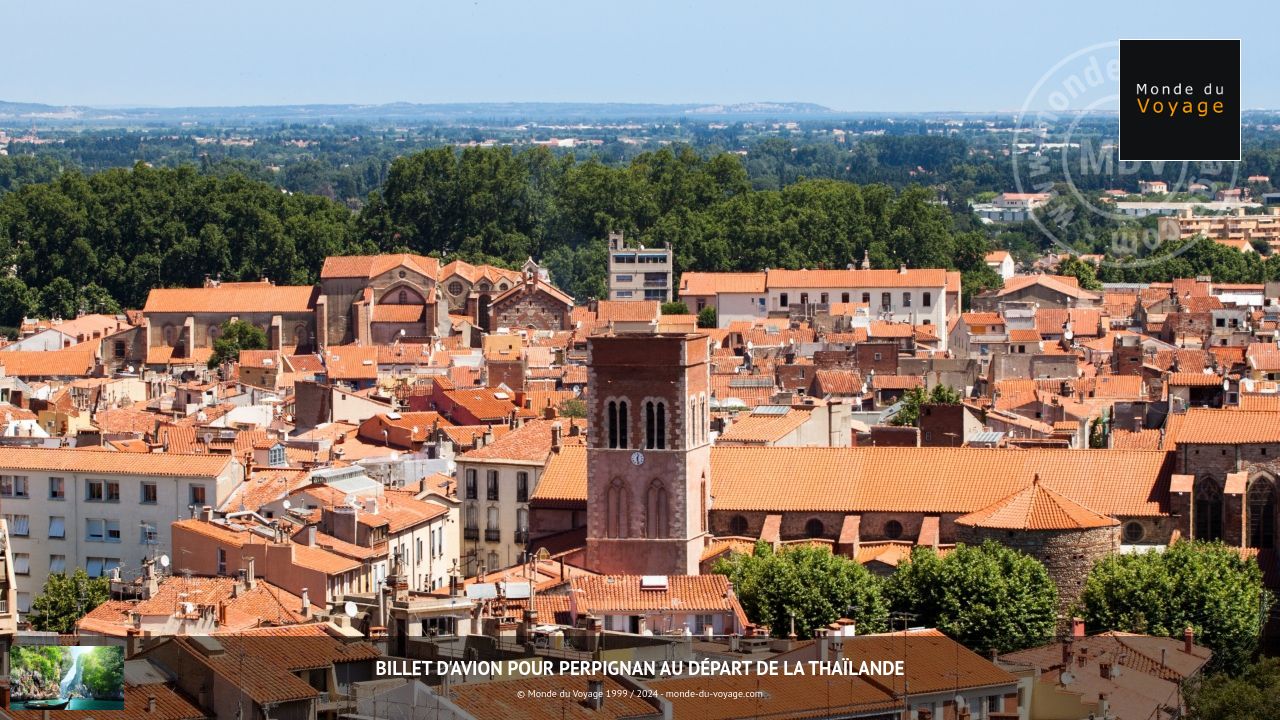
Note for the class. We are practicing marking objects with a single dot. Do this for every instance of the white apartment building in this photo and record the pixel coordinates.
(639, 273)
(69, 509)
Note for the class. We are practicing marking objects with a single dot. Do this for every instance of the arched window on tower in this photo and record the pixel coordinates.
(657, 517)
(1208, 509)
(611, 410)
(1262, 512)
(655, 425)
(624, 439)
(616, 510)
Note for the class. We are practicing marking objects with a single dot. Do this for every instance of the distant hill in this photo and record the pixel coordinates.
(17, 114)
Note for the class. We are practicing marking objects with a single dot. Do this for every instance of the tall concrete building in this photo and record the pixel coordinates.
(639, 273)
(648, 453)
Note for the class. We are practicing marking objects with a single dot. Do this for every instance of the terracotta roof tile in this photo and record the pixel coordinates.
(367, 266)
(232, 298)
(1036, 507)
(1209, 426)
(531, 442)
(75, 361)
(757, 429)
(605, 594)
(351, 362)
(707, 283)
(784, 279)
(83, 461)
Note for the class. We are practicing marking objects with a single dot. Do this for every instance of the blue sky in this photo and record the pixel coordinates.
(855, 56)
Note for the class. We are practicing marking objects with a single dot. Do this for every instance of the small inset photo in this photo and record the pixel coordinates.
(59, 677)
(1180, 100)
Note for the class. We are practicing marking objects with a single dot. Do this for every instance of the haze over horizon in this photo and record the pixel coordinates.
(863, 58)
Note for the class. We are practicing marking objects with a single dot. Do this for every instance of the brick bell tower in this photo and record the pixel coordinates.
(648, 452)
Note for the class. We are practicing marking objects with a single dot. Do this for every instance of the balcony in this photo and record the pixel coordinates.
(492, 535)
(471, 533)
(522, 537)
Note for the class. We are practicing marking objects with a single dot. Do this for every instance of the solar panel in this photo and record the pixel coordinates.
(482, 591)
(771, 410)
(516, 590)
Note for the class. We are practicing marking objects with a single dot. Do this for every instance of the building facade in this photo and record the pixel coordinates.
(639, 273)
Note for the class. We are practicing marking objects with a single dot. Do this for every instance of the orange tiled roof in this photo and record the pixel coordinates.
(896, 382)
(392, 313)
(75, 361)
(762, 429)
(709, 283)
(628, 310)
(982, 318)
(1194, 379)
(838, 382)
(482, 403)
(886, 479)
(1259, 403)
(605, 594)
(531, 442)
(1036, 507)
(351, 362)
(1065, 285)
(928, 277)
(367, 266)
(1135, 440)
(83, 461)
(1209, 426)
(247, 297)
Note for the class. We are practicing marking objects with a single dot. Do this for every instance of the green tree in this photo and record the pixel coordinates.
(102, 671)
(573, 408)
(16, 301)
(707, 317)
(987, 597)
(236, 335)
(66, 598)
(913, 399)
(1208, 587)
(1252, 695)
(1085, 272)
(807, 584)
(675, 308)
(59, 299)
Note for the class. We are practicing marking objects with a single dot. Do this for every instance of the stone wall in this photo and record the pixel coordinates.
(1068, 555)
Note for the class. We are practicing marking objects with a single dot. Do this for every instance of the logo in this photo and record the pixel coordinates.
(1180, 100)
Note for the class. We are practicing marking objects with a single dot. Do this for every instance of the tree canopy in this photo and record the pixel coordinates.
(1206, 586)
(66, 598)
(987, 597)
(913, 399)
(236, 335)
(809, 585)
(1251, 695)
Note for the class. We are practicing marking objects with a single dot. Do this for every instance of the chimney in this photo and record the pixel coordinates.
(306, 604)
(902, 269)
(151, 703)
(820, 634)
(595, 694)
(311, 536)
(250, 581)
(1077, 627)
(373, 506)
(1104, 707)
(549, 412)
(206, 513)
(1188, 639)
(555, 437)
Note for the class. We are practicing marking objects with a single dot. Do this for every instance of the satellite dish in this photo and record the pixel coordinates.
(164, 561)
(350, 609)
(286, 504)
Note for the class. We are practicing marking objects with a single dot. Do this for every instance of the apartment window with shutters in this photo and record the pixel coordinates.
(57, 564)
(112, 531)
(522, 487)
(13, 486)
(491, 484)
(928, 299)
(93, 490)
(844, 297)
(57, 488)
(19, 525)
(886, 300)
(113, 491)
(95, 529)
(57, 527)
(149, 496)
(906, 299)
(222, 561)
(21, 564)
(149, 536)
(197, 494)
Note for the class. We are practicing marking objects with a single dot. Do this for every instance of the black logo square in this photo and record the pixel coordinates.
(1180, 100)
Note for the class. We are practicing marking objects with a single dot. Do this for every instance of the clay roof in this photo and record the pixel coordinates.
(997, 256)
(1209, 426)
(785, 279)
(530, 286)
(838, 382)
(85, 461)
(1139, 440)
(265, 603)
(1036, 507)
(75, 361)
(392, 313)
(888, 479)
(232, 298)
(1259, 403)
(351, 362)
(126, 420)
(896, 382)
(465, 435)
(763, 429)
(531, 442)
(1085, 322)
(609, 594)
(628, 310)
(982, 318)
(1194, 379)
(707, 283)
(482, 403)
(269, 359)
(1024, 335)
(1069, 286)
(935, 663)
(367, 266)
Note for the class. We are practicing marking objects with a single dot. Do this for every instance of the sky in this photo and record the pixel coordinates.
(852, 56)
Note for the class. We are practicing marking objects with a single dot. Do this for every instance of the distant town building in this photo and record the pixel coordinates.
(1011, 207)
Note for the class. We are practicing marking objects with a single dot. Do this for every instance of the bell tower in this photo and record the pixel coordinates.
(648, 452)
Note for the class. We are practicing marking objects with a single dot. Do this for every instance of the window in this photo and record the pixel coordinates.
(893, 529)
(113, 530)
(222, 561)
(814, 528)
(419, 555)
(522, 487)
(617, 421)
(471, 517)
(906, 299)
(783, 300)
(276, 455)
(93, 490)
(148, 493)
(57, 488)
(197, 495)
(57, 527)
(866, 298)
(624, 293)
(13, 486)
(927, 301)
(19, 525)
(655, 425)
(57, 564)
(804, 298)
(24, 602)
(1261, 510)
(1134, 532)
(491, 484)
(149, 535)
(119, 348)
(844, 297)
(94, 529)
(113, 491)
(822, 298)
(737, 525)
(886, 300)
(623, 278)
(21, 564)
(471, 485)
(493, 560)
(1208, 509)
